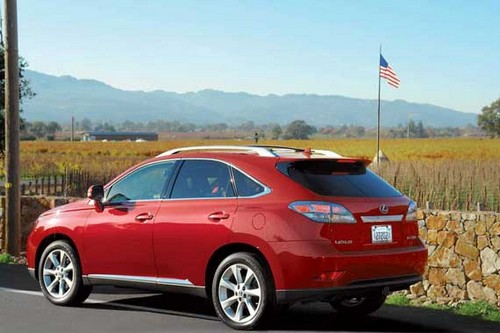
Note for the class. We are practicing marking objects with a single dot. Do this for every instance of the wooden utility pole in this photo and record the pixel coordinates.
(12, 164)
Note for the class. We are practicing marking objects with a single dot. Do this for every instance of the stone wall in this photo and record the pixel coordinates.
(464, 257)
(464, 251)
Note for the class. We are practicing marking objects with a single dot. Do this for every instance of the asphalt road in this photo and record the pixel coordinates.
(24, 309)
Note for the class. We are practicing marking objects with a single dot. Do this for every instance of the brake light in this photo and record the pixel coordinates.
(411, 214)
(323, 212)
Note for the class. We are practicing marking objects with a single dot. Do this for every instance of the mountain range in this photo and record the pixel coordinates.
(58, 98)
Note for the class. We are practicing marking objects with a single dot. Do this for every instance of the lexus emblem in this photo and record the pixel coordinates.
(383, 209)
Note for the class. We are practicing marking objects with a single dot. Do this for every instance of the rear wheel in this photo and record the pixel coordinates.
(59, 275)
(358, 306)
(242, 291)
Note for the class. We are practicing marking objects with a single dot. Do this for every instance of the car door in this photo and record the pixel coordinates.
(118, 240)
(194, 221)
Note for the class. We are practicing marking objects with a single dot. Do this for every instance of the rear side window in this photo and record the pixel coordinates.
(246, 186)
(338, 178)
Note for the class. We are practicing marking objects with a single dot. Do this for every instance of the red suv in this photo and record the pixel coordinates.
(250, 227)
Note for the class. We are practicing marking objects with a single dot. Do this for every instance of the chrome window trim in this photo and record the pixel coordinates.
(382, 218)
(200, 198)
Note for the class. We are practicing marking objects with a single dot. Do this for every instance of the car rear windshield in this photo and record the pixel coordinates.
(344, 178)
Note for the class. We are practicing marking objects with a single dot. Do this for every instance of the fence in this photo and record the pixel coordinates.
(70, 184)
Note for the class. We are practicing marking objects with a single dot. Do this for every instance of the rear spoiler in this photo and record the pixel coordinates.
(365, 161)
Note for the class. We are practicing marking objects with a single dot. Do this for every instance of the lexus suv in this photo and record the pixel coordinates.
(252, 228)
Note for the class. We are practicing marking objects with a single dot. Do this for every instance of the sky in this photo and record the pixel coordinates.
(445, 52)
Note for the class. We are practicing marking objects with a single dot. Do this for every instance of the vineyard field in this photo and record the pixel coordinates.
(449, 173)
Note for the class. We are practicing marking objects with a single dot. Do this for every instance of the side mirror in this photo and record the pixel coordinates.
(96, 193)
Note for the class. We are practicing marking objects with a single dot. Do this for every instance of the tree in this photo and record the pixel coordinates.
(420, 130)
(299, 129)
(39, 129)
(276, 132)
(24, 92)
(248, 126)
(53, 127)
(489, 120)
(106, 127)
(86, 124)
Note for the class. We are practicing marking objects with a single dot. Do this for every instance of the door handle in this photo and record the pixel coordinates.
(144, 217)
(217, 216)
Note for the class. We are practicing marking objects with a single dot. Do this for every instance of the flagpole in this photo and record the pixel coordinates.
(378, 110)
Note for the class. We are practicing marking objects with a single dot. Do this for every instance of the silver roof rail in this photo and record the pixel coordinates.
(264, 151)
(256, 150)
(327, 153)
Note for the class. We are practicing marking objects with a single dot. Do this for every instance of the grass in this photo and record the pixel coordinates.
(6, 258)
(478, 309)
(398, 300)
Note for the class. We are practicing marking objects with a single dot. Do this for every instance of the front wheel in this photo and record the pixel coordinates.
(242, 291)
(59, 275)
(358, 306)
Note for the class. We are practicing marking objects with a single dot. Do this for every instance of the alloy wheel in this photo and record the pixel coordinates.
(240, 293)
(58, 275)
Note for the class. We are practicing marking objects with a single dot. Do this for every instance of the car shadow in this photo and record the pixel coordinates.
(174, 304)
(17, 277)
(314, 316)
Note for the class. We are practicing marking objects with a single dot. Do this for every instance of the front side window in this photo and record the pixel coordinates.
(147, 183)
(203, 179)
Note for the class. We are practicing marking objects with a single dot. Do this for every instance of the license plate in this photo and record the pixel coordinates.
(381, 234)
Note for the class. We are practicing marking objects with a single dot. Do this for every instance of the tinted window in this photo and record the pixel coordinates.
(147, 183)
(338, 178)
(246, 186)
(203, 179)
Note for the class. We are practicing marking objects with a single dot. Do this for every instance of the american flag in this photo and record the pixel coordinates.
(388, 73)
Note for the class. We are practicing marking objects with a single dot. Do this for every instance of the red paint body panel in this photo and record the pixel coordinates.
(185, 238)
(116, 243)
(68, 220)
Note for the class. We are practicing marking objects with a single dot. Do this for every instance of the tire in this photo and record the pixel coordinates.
(60, 275)
(358, 306)
(243, 292)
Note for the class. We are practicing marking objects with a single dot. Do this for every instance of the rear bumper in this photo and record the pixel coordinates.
(318, 267)
(355, 288)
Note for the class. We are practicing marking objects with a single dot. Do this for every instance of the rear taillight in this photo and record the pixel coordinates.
(323, 212)
(411, 214)
(411, 229)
